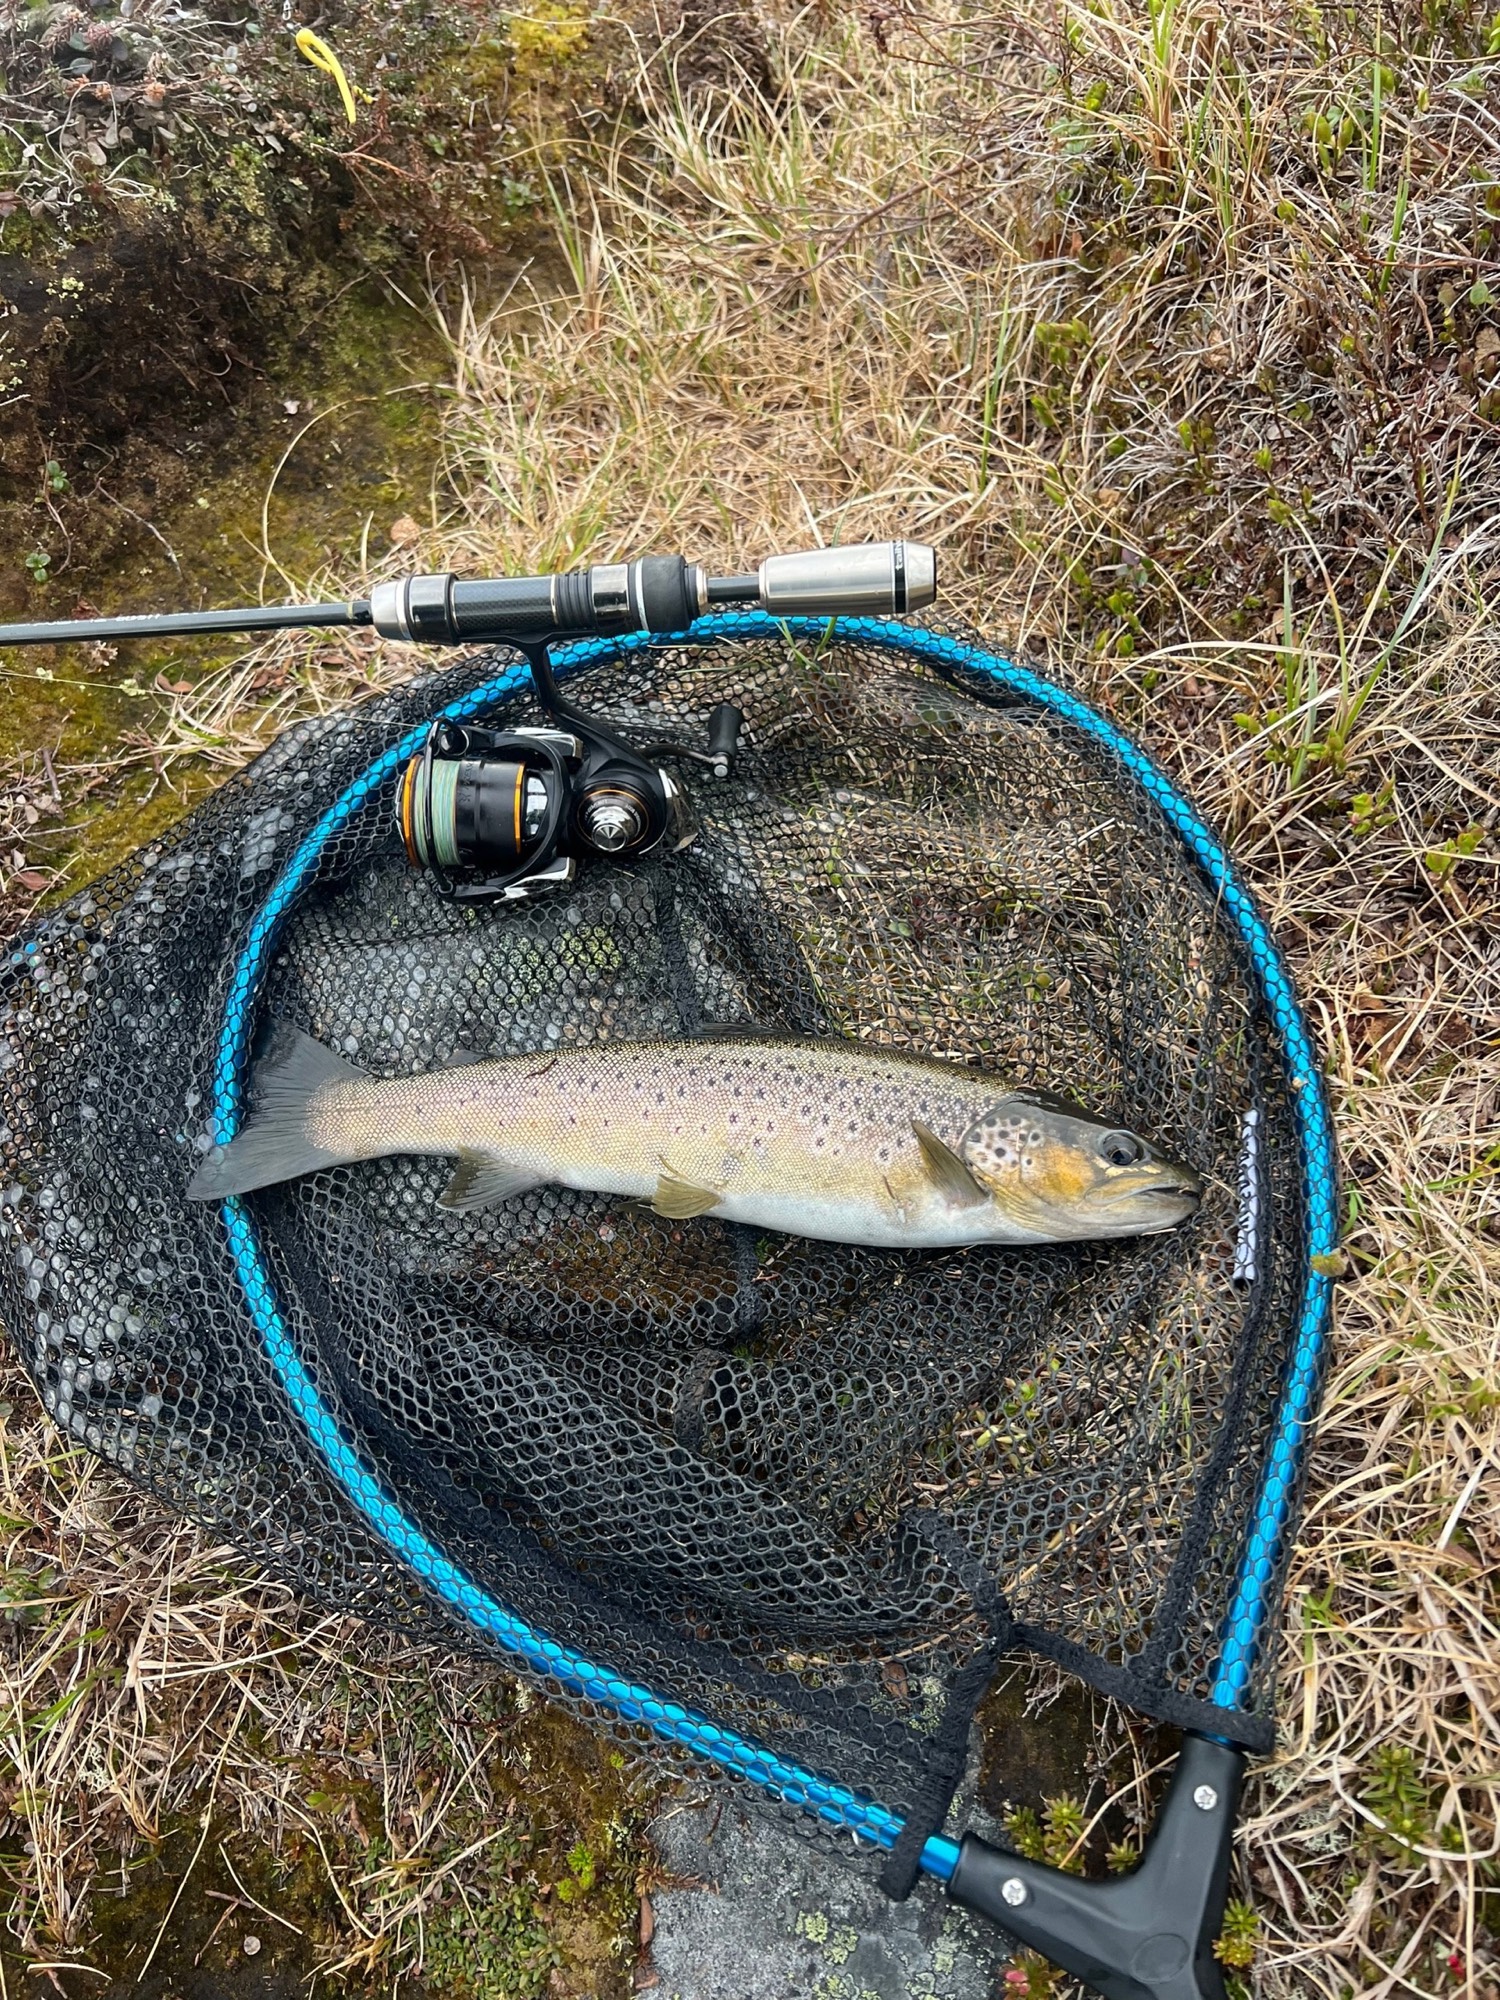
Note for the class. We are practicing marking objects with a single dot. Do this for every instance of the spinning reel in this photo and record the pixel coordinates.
(531, 802)
(510, 813)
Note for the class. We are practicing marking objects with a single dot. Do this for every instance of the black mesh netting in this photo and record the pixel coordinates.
(806, 1488)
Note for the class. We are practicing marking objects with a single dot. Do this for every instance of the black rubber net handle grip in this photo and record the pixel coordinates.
(1148, 1935)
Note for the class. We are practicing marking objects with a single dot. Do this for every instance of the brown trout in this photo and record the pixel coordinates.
(827, 1139)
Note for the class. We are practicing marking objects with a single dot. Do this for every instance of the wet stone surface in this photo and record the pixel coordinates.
(772, 1918)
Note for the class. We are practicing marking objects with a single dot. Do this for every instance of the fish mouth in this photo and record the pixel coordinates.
(1159, 1204)
(1184, 1190)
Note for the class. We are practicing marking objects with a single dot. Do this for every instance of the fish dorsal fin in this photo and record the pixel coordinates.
(946, 1170)
(677, 1198)
(480, 1179)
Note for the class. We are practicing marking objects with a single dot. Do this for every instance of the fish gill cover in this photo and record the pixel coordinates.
(805, 1488)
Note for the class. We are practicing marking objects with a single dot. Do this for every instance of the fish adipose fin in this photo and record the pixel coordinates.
(274, 1146)
(678, 1199)
(946, 1170)
(480, 1180)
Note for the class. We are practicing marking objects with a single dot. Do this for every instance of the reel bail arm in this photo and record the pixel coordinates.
(1148, 1935)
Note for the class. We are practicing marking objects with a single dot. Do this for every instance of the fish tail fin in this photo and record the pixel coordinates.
(275, 1143)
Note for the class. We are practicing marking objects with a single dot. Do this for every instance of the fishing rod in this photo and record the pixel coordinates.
(490, 814)
(653, 594)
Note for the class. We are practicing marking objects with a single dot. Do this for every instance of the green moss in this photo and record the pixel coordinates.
(549, 38)
(367, 462)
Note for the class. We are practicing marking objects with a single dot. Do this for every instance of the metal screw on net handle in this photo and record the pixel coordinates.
(1147, 1935)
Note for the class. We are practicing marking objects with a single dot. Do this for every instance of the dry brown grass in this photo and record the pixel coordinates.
(1176, 326)
(365, 1796)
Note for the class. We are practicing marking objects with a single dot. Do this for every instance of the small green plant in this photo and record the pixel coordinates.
(1061, 343)
(1024, 1831)
(1030, 1977)
(1236, 1943)
(57, 479)
(495, 1944)
(1197, 438)
(1397, 1797)
(1054, 1836)
(519, 196)
(582, 1874)
(1372, 812)
(1440, 862)
(38, 565)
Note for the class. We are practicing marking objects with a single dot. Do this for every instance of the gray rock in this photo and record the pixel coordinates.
(777, 1919)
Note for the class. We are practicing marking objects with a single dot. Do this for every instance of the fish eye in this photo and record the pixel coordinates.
(1122, 1149)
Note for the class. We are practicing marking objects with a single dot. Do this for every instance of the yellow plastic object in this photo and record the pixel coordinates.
(322, 57)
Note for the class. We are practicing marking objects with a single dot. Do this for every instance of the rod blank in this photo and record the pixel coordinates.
(186, 624)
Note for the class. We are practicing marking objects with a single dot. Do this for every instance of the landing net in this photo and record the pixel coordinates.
(802, 1494)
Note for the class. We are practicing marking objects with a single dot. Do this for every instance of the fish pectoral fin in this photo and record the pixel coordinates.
(677, 1198)
(946, 1170)
(481, 1179)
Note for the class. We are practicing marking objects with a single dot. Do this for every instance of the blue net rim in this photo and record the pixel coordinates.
(1253, 1599)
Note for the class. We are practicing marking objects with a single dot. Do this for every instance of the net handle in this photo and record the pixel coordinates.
(836, 1805)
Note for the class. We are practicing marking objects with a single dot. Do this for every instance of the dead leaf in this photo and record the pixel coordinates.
(405, 531)
(32, 878)
(893, 1677)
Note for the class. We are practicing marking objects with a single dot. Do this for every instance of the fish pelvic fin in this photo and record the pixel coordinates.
(482, 1179)
(274, 1144)
(677, 1198)
(946, 1170)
